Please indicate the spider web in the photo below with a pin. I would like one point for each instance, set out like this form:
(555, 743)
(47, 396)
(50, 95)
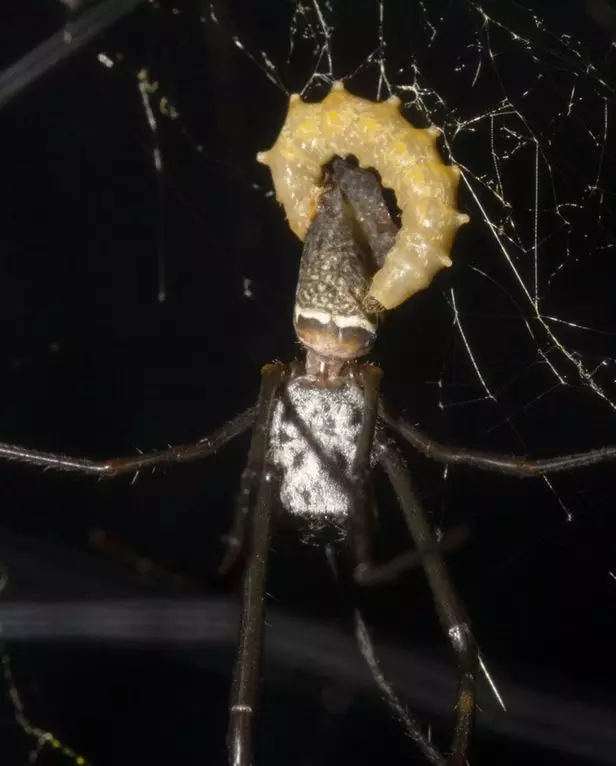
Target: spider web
(544, 234)
(525, 107)
(515, 347)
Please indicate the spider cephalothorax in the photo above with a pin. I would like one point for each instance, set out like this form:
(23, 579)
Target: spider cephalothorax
(334, 278)
(408, 162)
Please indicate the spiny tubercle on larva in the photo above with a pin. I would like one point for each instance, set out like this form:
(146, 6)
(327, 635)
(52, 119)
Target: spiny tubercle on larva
(408, 162)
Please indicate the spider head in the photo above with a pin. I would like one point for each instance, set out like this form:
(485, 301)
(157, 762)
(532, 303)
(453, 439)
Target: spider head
(330, 316)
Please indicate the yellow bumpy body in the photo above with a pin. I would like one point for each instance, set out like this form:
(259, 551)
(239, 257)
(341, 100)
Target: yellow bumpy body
(408, 162)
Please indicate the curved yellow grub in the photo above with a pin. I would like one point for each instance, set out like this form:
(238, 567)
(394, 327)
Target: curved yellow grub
(408, 162)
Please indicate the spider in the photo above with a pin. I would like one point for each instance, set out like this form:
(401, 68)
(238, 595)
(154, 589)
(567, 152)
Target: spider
(319, 428)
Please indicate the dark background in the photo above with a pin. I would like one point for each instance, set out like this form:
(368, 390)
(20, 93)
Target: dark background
(92, 363)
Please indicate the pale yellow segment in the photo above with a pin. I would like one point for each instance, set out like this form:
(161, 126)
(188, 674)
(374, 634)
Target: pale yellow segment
(408, 162)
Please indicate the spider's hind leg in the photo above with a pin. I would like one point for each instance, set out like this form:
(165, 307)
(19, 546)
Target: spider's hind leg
(236, 540)
(360, 539)
(368, 573)
(261, 476)
(411, 726)
(182, 453)
(450, 610)
(360, 521)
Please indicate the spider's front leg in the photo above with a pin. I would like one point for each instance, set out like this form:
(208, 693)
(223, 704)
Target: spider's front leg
(260, 475)
(511, 465)
(449, 607)
(360, 539)
(367, 571)
(182, 453)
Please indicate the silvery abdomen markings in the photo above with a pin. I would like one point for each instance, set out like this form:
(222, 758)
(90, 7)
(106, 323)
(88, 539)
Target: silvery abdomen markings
(312, 468)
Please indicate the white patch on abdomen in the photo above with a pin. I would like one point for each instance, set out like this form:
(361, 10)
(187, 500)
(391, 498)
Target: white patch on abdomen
(313, 439)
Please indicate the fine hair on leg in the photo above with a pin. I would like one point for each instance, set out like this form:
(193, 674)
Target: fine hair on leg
(247, 671)
(450, 610)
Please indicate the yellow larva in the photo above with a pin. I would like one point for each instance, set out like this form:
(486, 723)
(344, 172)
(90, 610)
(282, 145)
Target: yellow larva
(408, 162)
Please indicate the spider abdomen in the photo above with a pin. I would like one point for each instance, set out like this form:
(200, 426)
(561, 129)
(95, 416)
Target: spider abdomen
(313, 440)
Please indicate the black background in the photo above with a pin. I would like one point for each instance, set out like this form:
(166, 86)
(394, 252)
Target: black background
(93, 364)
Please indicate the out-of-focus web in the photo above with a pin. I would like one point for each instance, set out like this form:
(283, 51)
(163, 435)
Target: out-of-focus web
(43, 739)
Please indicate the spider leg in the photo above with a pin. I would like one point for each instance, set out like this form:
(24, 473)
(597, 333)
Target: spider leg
(360, 471)
(411, 726)
(492, 461)
(368, 573)
(248, 661)
(366, 648)
(183, 453)
(237, 538)
(450, 610)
